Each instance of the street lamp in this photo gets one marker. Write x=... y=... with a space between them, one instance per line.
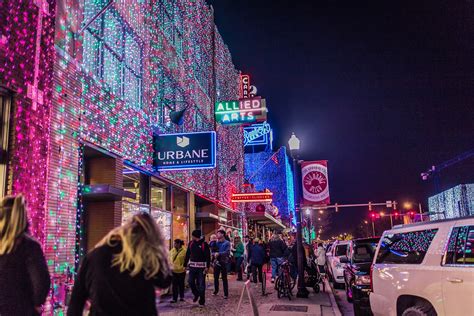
x=294 y=144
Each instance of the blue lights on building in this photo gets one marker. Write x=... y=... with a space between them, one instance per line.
x=272 y=170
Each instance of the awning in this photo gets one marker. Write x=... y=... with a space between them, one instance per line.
x=266 y=219
x=209 y=217
x=105 y=192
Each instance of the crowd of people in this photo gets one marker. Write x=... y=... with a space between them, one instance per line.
x=119 y=276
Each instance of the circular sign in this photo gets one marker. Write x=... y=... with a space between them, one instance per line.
x=315 y=182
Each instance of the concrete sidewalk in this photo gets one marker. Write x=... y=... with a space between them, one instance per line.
x=317 y=304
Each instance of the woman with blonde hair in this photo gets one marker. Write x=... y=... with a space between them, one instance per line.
x=120 y=275
x=24 y=276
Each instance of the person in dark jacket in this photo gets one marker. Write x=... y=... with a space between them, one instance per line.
x=277 y=248
x=120 y=275
x=222 y=258
x=24 y=276
x=198 y=260
x=257 y=258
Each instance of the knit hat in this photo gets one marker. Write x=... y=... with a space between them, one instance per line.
x=196 y=233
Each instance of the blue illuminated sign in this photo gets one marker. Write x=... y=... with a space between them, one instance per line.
x=184 y=151
x=258 y=134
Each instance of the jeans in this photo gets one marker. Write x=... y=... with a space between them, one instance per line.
x=258 y=267
x=221 y=270
x=197 y=283
x=178 y=285
x=275 y=264
x=238 y=267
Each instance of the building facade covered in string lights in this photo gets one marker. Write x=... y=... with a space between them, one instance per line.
x=85 y=85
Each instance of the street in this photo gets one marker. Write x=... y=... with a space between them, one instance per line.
x=316 y=304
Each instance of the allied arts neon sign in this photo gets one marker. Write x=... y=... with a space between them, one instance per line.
x=241 y=112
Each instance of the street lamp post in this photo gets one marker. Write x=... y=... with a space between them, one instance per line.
x=294 y=144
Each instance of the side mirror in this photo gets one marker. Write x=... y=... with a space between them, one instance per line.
x=343 y=259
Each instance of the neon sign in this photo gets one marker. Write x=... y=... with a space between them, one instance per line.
x=241 y=112
x=258 y=134
x=266 y=196
x=244 y=86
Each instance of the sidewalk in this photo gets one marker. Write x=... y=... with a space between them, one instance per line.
x=315 y=305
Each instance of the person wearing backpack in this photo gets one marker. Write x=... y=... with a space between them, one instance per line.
x=198 y=261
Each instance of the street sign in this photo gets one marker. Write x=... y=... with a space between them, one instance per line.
x=184 y=151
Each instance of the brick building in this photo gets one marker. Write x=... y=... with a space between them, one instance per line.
x=85 y=84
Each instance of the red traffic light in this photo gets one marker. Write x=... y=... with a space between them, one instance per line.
x=372 y=215
x=396 y=213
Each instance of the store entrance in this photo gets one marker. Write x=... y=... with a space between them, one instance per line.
x=100 y=196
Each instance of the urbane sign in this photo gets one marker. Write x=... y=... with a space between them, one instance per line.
x=243 y=111
x=184 y=151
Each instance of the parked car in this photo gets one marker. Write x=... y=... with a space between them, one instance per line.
x=360 y=254
x=334 y=266
x=425 y=269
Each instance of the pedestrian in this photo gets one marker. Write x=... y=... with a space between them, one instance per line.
x=293 y=257
x=277 y=249
x=198 y=260
x=24 y=276
x=119 y=276
x=222 y=259
x=177 y=256
x=239 y=257
x=321 y=257
x=257 y=257
x=247 y=246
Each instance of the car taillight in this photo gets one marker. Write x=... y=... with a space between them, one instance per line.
x=371 y=277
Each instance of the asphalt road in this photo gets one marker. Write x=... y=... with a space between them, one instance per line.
x=344 y=306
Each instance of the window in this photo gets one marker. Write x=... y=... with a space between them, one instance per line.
x=405 y=248
x=113 y=53
x=460 y=247
x=363 y=252
x=5 y=104
x=341 y=250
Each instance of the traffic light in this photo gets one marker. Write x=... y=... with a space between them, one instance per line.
x=372 y=215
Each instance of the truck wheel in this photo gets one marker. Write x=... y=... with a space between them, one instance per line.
x=420 y=309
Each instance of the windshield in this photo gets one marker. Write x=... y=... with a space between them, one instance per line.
x=364 y=252
x=341 y=250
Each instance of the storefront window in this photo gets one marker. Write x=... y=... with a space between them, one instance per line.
x=4 y=133
x=158 y=195
x=131 y=183
x=163 y=219
x=129 y=209
x=180 y=216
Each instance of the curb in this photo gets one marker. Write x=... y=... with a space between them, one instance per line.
x=335 y=308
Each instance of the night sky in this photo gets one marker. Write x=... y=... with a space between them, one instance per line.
x=381 y=89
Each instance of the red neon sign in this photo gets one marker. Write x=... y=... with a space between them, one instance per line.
x=252 y=197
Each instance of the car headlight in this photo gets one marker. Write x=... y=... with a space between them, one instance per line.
x=362 y=280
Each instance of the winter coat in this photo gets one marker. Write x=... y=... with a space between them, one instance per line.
x=110 y=291
x=257 y=254
x=277 y=248
x=198 y=252
x=177 y=259
x=24 y=278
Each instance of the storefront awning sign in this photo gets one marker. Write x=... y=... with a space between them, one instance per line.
x=245 y=111
x=252 y=197
x=184 y=151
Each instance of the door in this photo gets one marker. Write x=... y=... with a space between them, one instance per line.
x=458 y=272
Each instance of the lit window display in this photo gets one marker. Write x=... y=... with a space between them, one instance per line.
x=180 y=216
x=163 y=219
